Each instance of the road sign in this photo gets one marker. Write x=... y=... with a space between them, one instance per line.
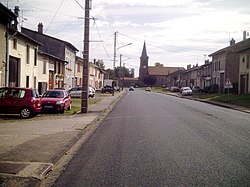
x=228 y=85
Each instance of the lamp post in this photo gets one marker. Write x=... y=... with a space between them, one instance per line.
x=118 y=49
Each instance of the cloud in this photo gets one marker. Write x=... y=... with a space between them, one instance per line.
x=177 y=32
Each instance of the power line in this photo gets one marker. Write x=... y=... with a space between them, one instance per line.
x=79 y=4
x=173 y=51
x=102 y=41
x=54 y=16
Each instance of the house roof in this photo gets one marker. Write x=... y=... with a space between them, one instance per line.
x=17 y=33
x=52 y=56
x=240 y=46
x=50 y=37
x=163 y=70
x=6 y=15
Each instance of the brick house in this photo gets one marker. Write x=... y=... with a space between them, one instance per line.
x=226 y=63
x=244 y=71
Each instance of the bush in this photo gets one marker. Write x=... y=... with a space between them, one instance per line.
x=212 y=89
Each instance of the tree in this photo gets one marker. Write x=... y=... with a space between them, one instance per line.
x=149 y=80
x=158 y=64
x=120 y=71
x=100 y=64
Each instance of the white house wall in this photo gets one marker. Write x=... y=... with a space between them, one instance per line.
x=70 y=68
x=2 y=54
x=25 y=69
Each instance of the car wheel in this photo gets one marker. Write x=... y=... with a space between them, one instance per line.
x=62 y=111
x=25 y=112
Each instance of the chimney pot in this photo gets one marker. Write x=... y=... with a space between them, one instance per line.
x=40 y=28
x=244 y=35
x=232 y=42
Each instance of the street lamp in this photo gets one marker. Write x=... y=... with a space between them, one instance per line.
x=120 y=71
x=118 y=49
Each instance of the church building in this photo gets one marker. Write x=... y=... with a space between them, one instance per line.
x=157 y=72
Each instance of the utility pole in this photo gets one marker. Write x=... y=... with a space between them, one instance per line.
x=115 y=48
x=85 y=74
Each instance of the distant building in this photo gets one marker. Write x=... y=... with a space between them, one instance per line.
x=159 y=72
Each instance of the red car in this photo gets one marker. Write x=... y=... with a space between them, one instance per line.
x=56 y=100
x=23 y=101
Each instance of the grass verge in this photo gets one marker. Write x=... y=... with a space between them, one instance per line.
x=76 y=105
x=240 y=100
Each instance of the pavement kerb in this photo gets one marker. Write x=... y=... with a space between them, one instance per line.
x=67 y=154
x=229 y=106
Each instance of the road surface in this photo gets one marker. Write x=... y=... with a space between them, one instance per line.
x=151 y=139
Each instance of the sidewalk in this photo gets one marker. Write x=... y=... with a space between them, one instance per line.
x=225 y=105
x=30 y=148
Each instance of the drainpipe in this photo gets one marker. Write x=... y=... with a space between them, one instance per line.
x=7 y=60
x=7 y=67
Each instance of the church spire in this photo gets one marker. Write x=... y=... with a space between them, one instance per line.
x=144 y=51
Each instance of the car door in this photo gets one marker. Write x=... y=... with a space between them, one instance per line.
x=4 y=103
x=17 y=99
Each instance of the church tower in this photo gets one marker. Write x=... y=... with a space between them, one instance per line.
x=143 y=72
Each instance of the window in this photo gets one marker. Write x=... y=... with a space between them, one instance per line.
x=44 y=67
x=27 y=81
x=15 y=93
x=28 y=54
x=14 y=43
x=35 y=57
x=3 y=92
x=78 y=68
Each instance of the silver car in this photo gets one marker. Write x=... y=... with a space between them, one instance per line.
x=77 y=92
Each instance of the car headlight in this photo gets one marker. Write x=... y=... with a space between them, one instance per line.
x=59 y=102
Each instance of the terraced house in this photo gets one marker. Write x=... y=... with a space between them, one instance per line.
x=7 y=17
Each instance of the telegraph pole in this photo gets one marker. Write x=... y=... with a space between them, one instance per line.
x=115 y=48
x=85 y=75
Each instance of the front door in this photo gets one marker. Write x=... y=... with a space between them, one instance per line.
x=242 y=84
x=14 y=69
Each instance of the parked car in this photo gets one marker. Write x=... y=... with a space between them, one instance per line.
x=186 y=91
x=175 y=89
x=56 y=101
x=23 y=101
x=148 y=89
x=131 y=88
x=106 y=89
x=168 y=88
x=196 y=89
x=77 y=92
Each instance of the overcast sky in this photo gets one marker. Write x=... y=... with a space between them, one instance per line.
x=177 y=32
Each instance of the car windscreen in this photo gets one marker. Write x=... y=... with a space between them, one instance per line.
x=53 y=94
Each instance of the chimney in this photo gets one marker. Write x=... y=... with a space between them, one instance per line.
x=40 y=28
x=17 y=22
x=244 y=35
x=232 y=42
x=189 y=66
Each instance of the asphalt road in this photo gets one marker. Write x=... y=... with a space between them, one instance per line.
x=151 y=139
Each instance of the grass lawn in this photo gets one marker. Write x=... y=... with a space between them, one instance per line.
x=76 y=105
x=241 y=100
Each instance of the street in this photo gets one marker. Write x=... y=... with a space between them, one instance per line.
x=151 y=139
